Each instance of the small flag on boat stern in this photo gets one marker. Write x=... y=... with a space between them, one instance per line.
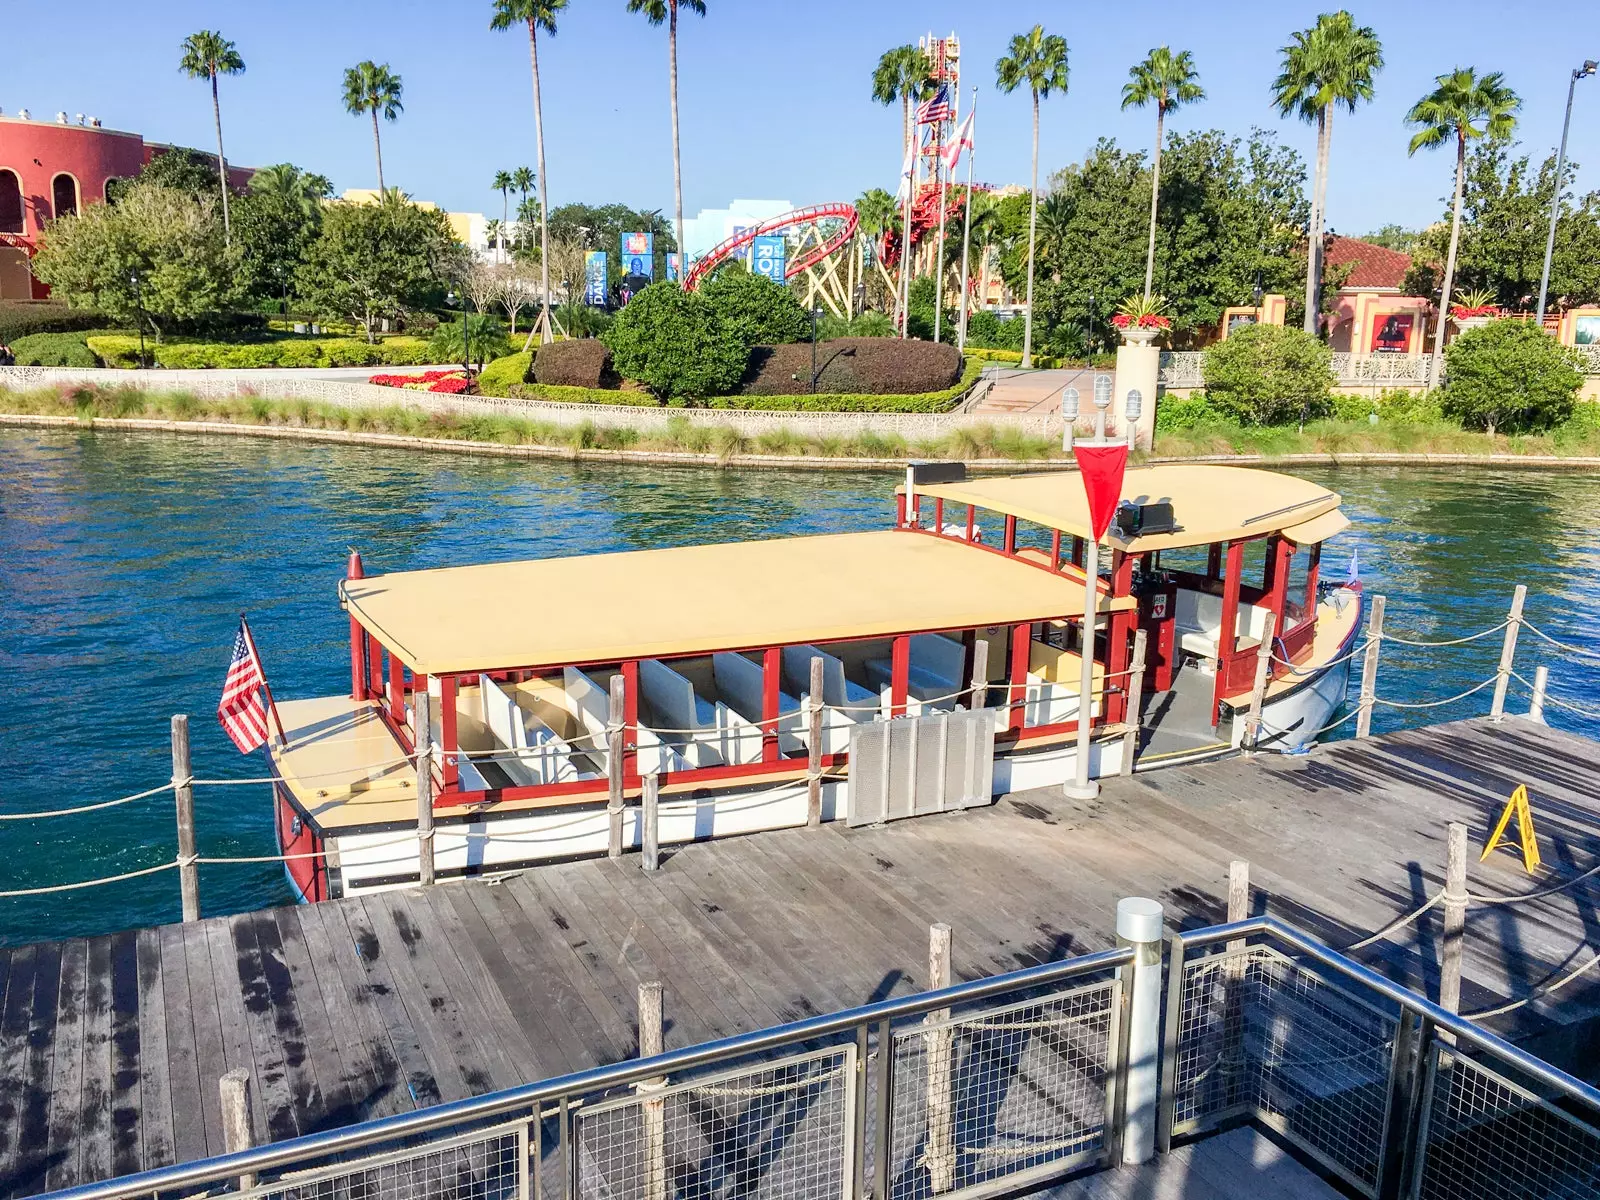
x=1102 y=468
x=243 y=716
x=1353 y=572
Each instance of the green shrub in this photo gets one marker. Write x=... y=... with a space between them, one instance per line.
x=1354 y=407
x=53 y=350
x=1585 y=418
x=763 y=312
x=1184 y=412
x=939 y=401
x=504 y=373
x=122 y=350
x=20 y=318
x=1398 y=406
x=919 y=309
x=876 y=366
x=674 y=343
x=986 y=329
x=486 y=340
x=578 y=364
x=581 y=321
x=1269 y=375
x=1511 y=376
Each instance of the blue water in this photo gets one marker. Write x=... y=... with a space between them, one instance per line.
x=125 y=560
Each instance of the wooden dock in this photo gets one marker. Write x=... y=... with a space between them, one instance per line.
x=111 y=1047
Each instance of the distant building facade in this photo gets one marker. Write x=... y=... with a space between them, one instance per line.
x=703 y=232
x=53 y=168
x=470 y=229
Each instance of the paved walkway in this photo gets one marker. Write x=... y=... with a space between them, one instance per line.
x=1019 y=391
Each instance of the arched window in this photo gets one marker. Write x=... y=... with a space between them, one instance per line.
x=64 y=189
x=10 y=203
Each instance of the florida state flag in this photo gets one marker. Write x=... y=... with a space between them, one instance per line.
x=1102 y=468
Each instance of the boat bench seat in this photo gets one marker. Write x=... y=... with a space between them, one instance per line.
x=534 y=753
x=740 y=683
x=1198 y=617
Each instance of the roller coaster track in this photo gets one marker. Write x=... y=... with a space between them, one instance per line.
x=726 y=249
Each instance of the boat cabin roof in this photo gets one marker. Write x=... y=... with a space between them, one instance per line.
x=598 y=608
x=1209 y=503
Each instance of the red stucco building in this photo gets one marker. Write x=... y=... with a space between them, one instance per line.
x=49 y=168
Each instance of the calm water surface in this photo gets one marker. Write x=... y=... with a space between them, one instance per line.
x=125 y=560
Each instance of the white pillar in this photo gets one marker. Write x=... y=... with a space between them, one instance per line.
x=1139 y=366
x=1139 y=922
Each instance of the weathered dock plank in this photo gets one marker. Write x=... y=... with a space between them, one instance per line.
x=110 y=1048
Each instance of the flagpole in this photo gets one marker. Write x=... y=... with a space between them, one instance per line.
x=909 y=178
x=272 y=704
x=938 y=262
x=966 y=233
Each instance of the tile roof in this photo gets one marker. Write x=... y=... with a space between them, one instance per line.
x=1375 y=266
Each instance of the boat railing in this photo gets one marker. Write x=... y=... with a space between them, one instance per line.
x=990 y=1087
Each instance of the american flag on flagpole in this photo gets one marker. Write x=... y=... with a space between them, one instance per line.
x=243 y=716
x=936 y=108
x=962 y=141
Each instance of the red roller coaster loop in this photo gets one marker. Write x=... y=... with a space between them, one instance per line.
x=800 y=216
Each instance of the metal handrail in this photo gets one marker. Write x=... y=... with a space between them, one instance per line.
x=1421 y=1007
x=630 y=1071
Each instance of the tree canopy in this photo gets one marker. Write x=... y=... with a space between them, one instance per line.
x=373 y=261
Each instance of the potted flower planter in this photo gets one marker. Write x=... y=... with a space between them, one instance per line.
x=1141 y=335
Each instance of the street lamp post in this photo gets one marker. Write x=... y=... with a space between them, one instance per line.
x=1578 y=73
x=138 y=303
x=451 y=298
x=816 y=311
x=1081 y=787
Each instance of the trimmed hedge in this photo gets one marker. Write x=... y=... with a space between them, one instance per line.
x=852 y=366
x=53 y=350
x=927 y=402
x=500 y=376
x=23 y=318
x=584 y=363
x=120 y=350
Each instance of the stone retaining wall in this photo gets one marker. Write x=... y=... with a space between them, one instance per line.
x=748 y=422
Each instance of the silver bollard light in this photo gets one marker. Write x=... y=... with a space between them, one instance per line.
x=1133 y=410
x=1069 y=414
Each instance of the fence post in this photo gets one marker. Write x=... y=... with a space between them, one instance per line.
x=651 y=1043
x=650 y=820
x=1455 y=918
x=614 y=732
x=234 y=1089
x=422 y=724
x=183 y=794
x=1541 y=683
x=1139 y=926
x=1135 y=713
x=1508 y=652
x=980 y=674
x=940 y=1050
x=1233 y=970
x=1258 y=692
x=1369 y=668
x=814 y=749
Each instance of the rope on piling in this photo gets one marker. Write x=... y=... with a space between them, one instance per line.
x=1568 y=647
x=1395 y=925
x=86 y=883
x=1471 y=637
x=86 y=808
x=1438 y=703
x=1545 y=990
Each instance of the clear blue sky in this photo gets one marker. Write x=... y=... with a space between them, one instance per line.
x=774 y=95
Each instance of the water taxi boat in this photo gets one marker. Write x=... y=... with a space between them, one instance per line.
x=557 y=691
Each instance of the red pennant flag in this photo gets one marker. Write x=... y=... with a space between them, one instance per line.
x=1102 y=468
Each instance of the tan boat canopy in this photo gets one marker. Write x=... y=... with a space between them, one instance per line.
x=598 y=608
x=1209 y=503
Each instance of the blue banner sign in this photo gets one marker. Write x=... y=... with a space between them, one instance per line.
x=673 y=272
x=638 y=257
x=768 y=256
x=594 y=278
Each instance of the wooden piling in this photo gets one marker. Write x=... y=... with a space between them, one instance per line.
x=1508 y=652
x=980 y=673
x=1258 y=690
x=1455 y=918
x=1541 y=684
x=814 y=748
x=650 y=823
x=183 y=795
x=941 y=1155
x=234 y=1089
x=422 y=726
x=651 y=1043
x=1369 y=669
x=1135 y=714
x=615 y=719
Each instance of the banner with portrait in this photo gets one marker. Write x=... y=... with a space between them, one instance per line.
x=638 y=260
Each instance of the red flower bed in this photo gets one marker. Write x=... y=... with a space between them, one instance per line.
x=1481 y=310
x=450 y=383
x=1148 y=321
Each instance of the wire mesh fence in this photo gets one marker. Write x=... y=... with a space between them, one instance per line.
x=982 y=1099
x=1488 y=1136
x=492 y=1164
x=1263 y=1036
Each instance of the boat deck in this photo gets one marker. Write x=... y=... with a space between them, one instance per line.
x=111 y=1047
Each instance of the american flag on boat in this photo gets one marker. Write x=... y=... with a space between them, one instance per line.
x=936 y=108
x=243 y=716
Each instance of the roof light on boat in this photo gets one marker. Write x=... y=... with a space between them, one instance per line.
x=1102 y=391
x=1069 y=415
x=1135 y=407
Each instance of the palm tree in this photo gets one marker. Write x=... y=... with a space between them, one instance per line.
x=902 y=74
x=1331 y=63
x=1039 y=61
x=657 y=11
x=875 y=210
x=303 y=190
x=535 y=15
x=369 y=88
x=1462 y=108
x=503 y=183
x=1169 y=81
x=206 y=55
